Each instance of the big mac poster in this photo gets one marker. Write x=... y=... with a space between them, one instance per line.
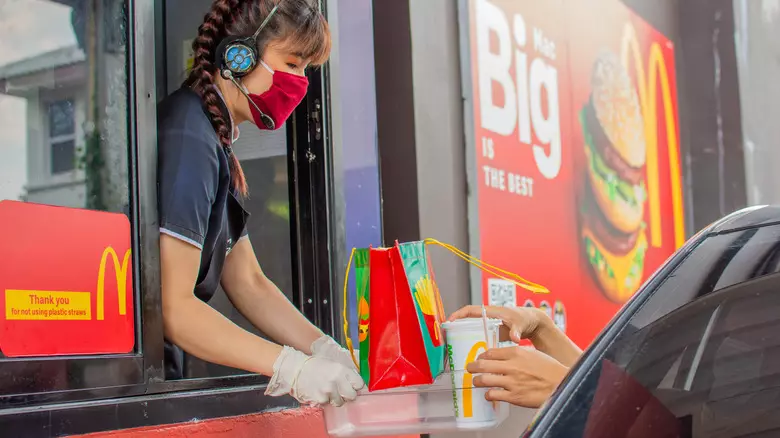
x=575 y=169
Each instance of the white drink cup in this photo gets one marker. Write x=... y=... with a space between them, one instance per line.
x=465 y=342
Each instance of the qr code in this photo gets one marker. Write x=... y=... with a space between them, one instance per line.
x=501 y=293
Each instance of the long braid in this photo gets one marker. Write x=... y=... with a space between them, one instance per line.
x=201 y=77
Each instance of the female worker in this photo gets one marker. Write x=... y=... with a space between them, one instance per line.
x=525 y=377
x=249 y=62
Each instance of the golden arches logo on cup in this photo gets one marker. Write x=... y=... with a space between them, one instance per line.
x=465 y=342
x=468 y=379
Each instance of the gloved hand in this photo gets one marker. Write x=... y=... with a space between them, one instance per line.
x=325 y=347
x=313 y=380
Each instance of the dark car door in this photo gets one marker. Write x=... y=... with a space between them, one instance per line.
x=697 y=354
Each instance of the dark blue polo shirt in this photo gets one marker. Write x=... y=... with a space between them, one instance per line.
x=197 y=203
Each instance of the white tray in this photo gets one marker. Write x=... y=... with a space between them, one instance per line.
x=413 y=410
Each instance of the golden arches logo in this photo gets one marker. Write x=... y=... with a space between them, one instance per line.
x=120 y=273
x=59 y=305
x=648 y=95
x=468 y=380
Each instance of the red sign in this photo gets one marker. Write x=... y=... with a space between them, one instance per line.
x=66 y=281
x=578 y=179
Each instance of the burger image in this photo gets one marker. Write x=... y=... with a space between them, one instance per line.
x=617 y=260
x=613 y=206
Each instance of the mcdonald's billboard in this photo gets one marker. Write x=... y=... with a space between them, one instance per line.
x=575 y=166
x=65 y=280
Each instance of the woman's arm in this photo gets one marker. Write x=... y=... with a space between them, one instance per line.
x=195 y=326
x=262 y=303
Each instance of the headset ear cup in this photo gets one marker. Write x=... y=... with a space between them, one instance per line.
x=237 y=55
x=219 y=53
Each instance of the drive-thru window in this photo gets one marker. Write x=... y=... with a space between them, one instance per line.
x=81 y=324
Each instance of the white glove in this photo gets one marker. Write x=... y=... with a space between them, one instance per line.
x=325 y=347
x=313 y=380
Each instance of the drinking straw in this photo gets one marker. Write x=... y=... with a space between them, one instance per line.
x=484 y=326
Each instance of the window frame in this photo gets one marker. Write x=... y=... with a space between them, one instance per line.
x=141 y=383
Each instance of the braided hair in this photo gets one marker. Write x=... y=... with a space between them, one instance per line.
x=298 y=23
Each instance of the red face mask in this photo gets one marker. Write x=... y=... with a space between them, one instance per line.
x=286 y=93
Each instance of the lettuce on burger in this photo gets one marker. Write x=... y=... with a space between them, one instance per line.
x=613 y=229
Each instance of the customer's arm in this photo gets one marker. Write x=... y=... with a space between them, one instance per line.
x=550 y=340
x=528 y=323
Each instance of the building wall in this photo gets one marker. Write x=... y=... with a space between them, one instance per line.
x=65 y=195
x=440 y=141
x=758 y=48
x=66 y=190
x=113 y=126
x=420 y=129
x=710 y=116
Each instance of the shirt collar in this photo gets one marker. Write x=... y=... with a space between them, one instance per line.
x=236 y=131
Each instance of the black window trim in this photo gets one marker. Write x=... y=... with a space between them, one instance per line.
x=140 y=382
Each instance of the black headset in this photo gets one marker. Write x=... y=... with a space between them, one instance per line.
x=237 y=57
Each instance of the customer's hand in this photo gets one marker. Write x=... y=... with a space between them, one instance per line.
x=326 y=348
x=528 y=323
x=518 y=375
x=519 y=322
x=313 y=380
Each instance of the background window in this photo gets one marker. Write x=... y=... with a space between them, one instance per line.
x=62 y=136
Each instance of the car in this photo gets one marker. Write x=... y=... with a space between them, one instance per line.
x=695 y=353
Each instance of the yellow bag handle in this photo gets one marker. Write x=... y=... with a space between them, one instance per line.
x=490 y=269
x=346 y=317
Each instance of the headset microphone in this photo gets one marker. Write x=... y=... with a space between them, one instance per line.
x=267 y=120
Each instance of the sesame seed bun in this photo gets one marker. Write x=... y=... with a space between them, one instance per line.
x=617 y=108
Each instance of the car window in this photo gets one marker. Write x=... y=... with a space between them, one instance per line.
x=701 y=358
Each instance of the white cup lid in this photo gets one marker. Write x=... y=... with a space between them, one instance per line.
x=470 y=324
